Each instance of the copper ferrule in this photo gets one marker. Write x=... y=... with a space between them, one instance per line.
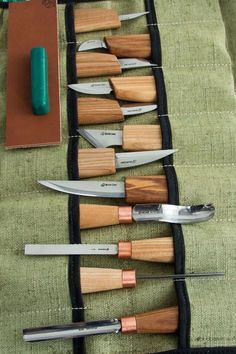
x=124 y=249
x=128 y=324
x=128 y=278
x=125 y=215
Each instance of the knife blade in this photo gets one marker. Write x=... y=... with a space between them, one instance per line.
x=128 y=46
x=102 y=64
x=131 y=88
x=102 y=110
x=132 y=138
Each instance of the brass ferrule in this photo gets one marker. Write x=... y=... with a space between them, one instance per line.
x=128 y=278
x=128 y=324
x=124 y=249
x=125 y=215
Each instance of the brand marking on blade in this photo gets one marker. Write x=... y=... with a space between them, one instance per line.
x=105 y=133
x=127 y=162
x=108 y=184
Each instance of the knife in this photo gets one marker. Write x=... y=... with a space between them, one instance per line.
x=95 y=19
x=132 y=45
x=150 y=250
x=131 y=88
x=159 y=321
x=132 y=138
x=102 y=110
x=102 y=64
x=103 y=162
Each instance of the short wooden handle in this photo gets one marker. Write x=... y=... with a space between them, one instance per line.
x=88 y=20
x=148 y=189
x=98 y=110
x=96 y=162
x=161 y=321
x=135 y=88
x=153 y=250
x=97 y=64
x=142 y=137
x=130 y=46
x=100 y=279
x=92 y=215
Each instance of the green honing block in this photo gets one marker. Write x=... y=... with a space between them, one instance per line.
x=39 y=81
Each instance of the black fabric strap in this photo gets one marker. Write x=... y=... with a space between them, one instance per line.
x=216 y=350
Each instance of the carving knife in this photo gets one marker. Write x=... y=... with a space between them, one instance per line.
x=130 y=88
x=132 y=45
x=132 y=138
x=95 y=19
x=102 y=110
x=102 y=64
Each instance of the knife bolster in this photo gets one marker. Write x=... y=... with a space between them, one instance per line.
x=96 y=162
x=124 y=249
x=125 y=215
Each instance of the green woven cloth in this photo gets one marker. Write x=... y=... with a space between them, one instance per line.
x=198 y=62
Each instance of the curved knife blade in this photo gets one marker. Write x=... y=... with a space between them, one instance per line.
x=93 y=88
x=92 y=44
x=102 y=138
x=132 y=16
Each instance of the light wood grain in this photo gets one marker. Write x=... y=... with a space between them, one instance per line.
x=161 y=321
x=148 y=189
x=97 y=64
x=93 y=215
x=98 y=110
x=135 y=88
x=142 y=137
x=130 y=46
x=94 y=19
x=100 y=279
x=153 y=250
x=96 y=162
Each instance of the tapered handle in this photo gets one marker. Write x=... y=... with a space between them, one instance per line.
x=135 y=88
x=95 y=19
x=98 y=110
x=160 y=321
x=148 y=189
x=151 y=250
x=96 y=162
x=130 y=46
x=141 y=137
x=97 y=64
x=103 y=279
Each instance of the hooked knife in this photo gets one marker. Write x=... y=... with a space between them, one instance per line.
x=130 y=88
x=102 y=110
x=132 y=138
x=95 y=19
x=102 y=64
x=127 y=46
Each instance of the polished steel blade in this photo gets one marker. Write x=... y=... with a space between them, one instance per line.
x=93 y=88
x=104 y=189
x=130 y=111
x=131 y=159
x=132 y=16
x=130 y=63
x=173 y=213
x=79 y=329
x=72 y=249
x=102 y=138
x=92 y=44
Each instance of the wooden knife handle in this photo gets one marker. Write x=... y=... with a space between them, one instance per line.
x=141 y=137
x=96 y=162
x=98 y=110
x=135 y=88
x=151 y=250
x=97 y=64
x=102 y=279
x=130 y=46
x=88 y=20
x=148 y=189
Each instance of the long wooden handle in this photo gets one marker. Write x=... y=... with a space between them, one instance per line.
x=130 y=46
x=135 y=88
x=160 y=321
x=97 y=64
x=152 y=250
x=96 y=162
x=148 y=189
x=142 y=137
x=88 y=20
x=103 y=279
x=98 y=110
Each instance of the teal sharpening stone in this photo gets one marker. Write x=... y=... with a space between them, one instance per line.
x=39 y=81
